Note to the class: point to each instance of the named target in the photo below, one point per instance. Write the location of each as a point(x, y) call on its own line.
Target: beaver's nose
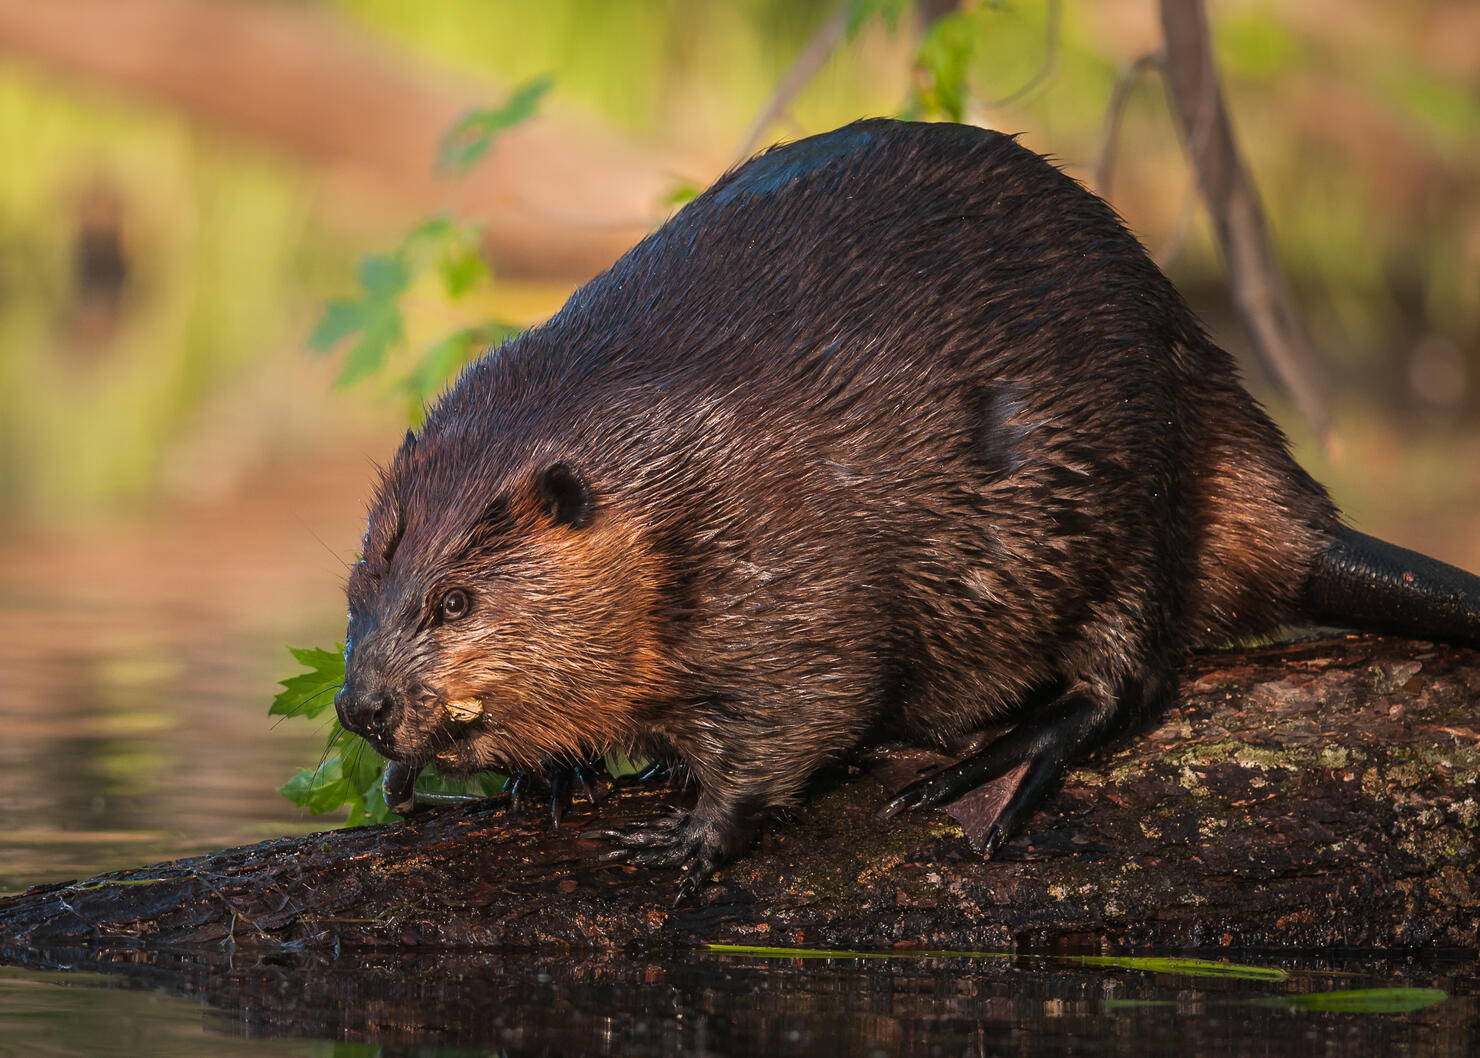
point(365, 712)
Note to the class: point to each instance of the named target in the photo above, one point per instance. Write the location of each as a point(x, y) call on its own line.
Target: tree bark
point(1324, 793)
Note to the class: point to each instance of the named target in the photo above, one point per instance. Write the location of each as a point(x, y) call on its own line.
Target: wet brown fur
point(887, 433)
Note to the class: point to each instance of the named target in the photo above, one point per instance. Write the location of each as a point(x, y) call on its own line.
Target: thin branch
point(1260, 289)
point(811, 59)
point(1171, 246)
point(1120, 95)
point(1050, 57)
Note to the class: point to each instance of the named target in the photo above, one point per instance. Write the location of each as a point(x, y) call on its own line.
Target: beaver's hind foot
point(1022, 765)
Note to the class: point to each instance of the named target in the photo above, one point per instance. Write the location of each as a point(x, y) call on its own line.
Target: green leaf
point(375, 809)
point(310, 693)
point(861, 11)
point(299, 787)
point(945, 58)
point(440, 362)
point(619, 764)
point(382, 330)
point(328, 661)
point(461, 267)
point(432, 230)
point(320, 791)
point(341, 318)
point(351, 776)
point(383, 276)
point(473, 135)
point(456, 249)
point(1185, 967)
point(329, 790)
point(445, 358)
point(306, 694)
point(361, 766)
point(1361, 1000)
point(1112, 1005)
point(681, 193)
point(848, 953)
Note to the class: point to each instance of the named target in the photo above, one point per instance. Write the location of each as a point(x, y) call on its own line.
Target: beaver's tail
point(1365, 583)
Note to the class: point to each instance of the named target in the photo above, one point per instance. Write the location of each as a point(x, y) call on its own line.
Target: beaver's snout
point(367, 711)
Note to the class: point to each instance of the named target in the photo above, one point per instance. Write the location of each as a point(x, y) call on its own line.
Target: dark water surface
point(701, 1003)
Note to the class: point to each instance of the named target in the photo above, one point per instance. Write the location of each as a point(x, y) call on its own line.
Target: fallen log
point(1316, 794)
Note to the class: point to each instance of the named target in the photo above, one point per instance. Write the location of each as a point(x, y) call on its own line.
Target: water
point(138, 663)
point(695, 1003)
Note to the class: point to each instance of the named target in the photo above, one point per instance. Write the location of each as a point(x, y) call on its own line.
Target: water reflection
point(137, 662)
point(698, 1003)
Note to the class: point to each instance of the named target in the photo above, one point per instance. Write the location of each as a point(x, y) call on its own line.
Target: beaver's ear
point(565, 495)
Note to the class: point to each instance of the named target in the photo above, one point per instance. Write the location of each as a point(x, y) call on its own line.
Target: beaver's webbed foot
point(558, 781)
point(689, 840)
point(1012, 774)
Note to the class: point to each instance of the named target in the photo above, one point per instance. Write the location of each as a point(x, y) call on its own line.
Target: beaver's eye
point(454, 604)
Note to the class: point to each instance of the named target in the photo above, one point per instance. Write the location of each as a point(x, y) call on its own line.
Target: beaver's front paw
point(674, 841)
point(559, 782)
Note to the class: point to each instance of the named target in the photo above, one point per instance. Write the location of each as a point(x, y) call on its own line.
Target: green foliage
point(309, 693)
point(944, 63)
point(350, 778)
point(944, 59)
point(1362, 1000)
point(860, 12)
point(475, 132)
point(373, 323)
point(1345, 1001)
point(374, 320)
point(682, 193)
point(350, 773)
point(375, 317)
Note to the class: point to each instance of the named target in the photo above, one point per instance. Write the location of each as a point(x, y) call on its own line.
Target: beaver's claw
point(674, 841)
point(559, 781)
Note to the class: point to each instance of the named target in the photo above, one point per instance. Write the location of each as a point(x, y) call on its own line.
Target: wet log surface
point(1319, 794)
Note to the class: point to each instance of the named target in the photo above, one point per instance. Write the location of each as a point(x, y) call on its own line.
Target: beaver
point(894, 432)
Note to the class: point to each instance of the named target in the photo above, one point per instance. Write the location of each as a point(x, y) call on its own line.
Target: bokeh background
point(185, 182)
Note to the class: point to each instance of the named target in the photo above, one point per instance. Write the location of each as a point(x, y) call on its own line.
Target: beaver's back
point(904, 404)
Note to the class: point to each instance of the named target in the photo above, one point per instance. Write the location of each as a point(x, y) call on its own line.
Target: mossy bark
point(1318, 794)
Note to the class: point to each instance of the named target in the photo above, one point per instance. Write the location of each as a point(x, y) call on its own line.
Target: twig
point(1050, 57)
point(1120, 95)
point(808, 62)
point(1259, 287)
point(1171, 246)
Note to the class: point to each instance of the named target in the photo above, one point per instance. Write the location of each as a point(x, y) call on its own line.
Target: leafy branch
point(371, 323)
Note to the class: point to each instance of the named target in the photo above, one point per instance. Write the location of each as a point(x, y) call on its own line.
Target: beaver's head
point(498, 615)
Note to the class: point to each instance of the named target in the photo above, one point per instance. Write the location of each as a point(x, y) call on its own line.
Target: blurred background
point(186, 182)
